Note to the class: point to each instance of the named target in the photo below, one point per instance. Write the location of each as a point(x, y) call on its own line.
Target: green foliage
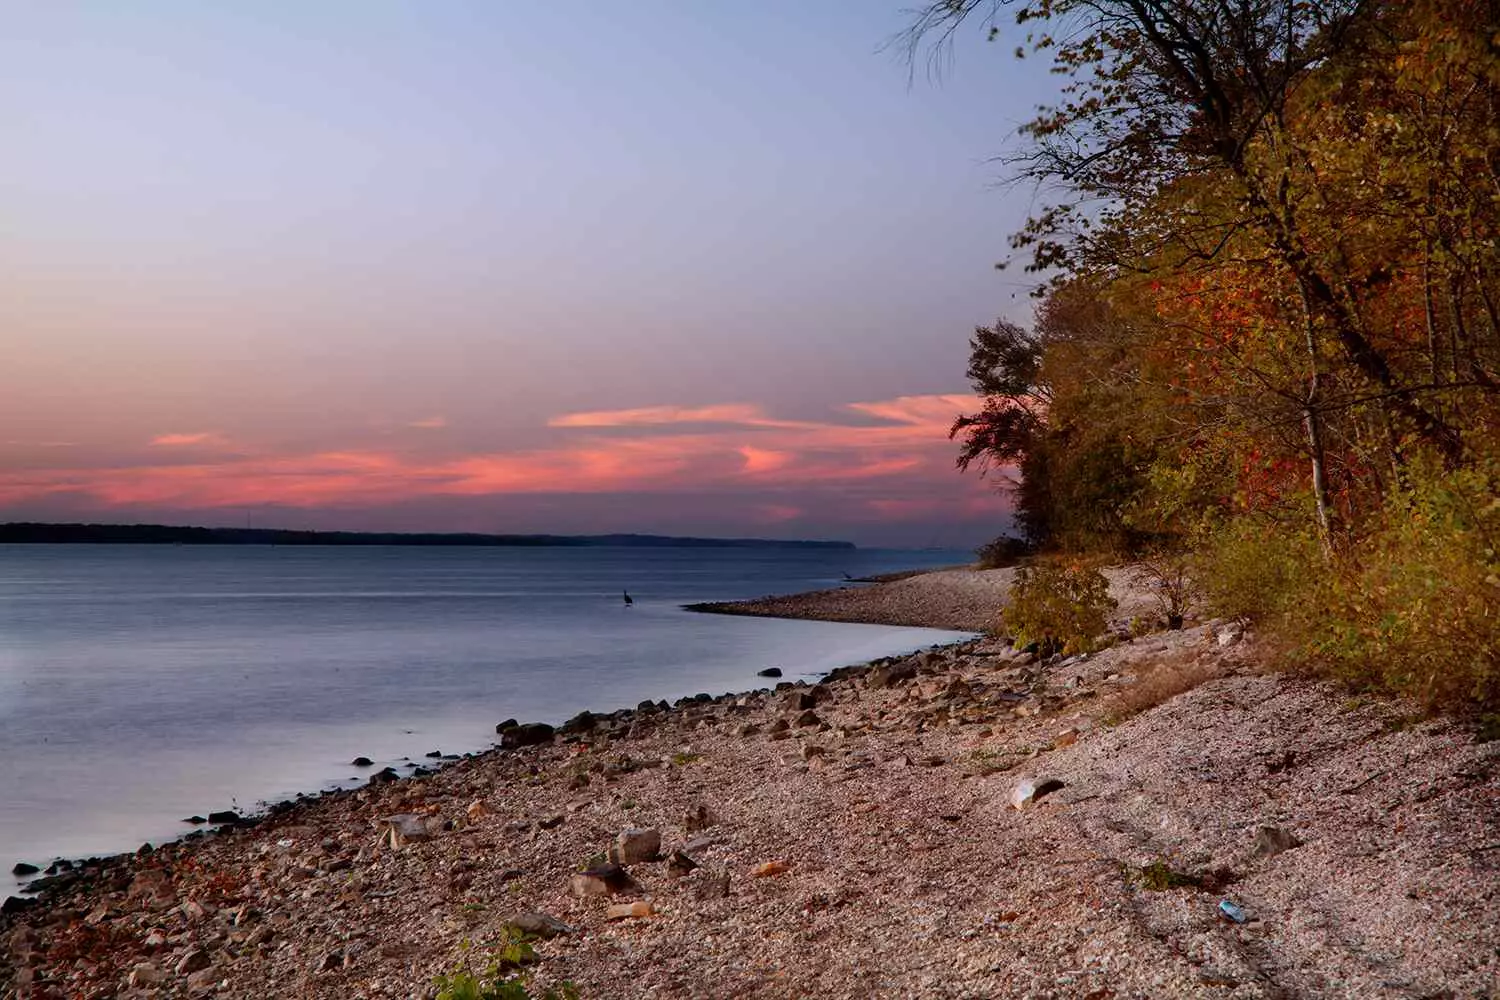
point(1413, 606)
point(1001, 552)
point(1059, 607)
point(1254, 571)
point(502, 978)
point(464, 985)
point(1158, 876)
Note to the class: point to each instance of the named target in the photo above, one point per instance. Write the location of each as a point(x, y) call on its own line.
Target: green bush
point(1408, 603)
point(1256, 570)
point(1414, 606)
point(502, 979)
point(1060, 608)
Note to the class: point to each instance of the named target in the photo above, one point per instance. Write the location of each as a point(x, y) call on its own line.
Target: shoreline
point(844, 839)
point(62, 870)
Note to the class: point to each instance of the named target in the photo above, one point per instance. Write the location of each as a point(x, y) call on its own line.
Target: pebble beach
point(1165, 818)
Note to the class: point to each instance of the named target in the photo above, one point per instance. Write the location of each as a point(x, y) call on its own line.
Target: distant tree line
point(161, 534)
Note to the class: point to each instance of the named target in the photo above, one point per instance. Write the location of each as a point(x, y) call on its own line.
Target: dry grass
point(1159, 682)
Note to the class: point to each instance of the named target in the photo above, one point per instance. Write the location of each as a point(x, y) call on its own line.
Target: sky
point(664, 266)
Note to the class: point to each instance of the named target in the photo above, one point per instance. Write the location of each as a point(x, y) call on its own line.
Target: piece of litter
point(1231, 912)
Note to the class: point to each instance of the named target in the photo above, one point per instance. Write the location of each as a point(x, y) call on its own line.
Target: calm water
point(142, 684)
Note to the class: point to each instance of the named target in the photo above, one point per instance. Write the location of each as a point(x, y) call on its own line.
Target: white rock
point(1029, 790)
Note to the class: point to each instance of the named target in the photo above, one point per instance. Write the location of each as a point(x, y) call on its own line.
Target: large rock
point(769, 672)
point(798, 701)
point(195, 960)
point(406, 828)
point(892, 674)
point(634, 846)
point(583, 722)
point(602, 880)
point(1272, 840)
point(528, 735)
point(24, 868)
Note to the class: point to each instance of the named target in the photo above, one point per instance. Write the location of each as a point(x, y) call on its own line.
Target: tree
point(1169, 92)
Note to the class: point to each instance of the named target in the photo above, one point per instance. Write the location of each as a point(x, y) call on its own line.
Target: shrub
point(1001, 552)
point(1414, 606)
point(1256, 570)
point(1408, 604)
point(1171, 586)
point(1060, 608)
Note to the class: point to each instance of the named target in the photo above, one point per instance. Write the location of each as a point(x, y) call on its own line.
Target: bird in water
point(628, 599)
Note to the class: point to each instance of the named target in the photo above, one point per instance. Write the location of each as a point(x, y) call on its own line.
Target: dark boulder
point(501, 727)
point(23, 868)
point(529, 735)
point(583, 722)
point(770, 672)
point(224, 816)
point(362, 762)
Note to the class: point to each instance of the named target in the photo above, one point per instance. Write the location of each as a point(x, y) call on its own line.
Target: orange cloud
point(182, 440)
point(429, 423)
point(897, 449)
point(647, 416)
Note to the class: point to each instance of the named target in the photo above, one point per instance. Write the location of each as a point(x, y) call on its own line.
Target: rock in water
point(361, 762)
point(24, 868)
point(769, 672)
point(224, 816)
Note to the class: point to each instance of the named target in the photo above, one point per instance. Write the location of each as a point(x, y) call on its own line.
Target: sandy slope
point(907, 873)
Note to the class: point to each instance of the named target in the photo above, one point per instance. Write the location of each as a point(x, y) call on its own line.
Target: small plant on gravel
point(1159, 876)
point(1059, 608)
point(503, 978)
point(1171, 587)
point(684, 759)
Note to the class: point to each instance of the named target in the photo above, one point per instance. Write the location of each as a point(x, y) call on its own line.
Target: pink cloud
point(430, 423)
point(891, 463)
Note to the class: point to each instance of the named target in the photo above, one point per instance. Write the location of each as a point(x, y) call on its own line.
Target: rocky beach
point(1164, 818)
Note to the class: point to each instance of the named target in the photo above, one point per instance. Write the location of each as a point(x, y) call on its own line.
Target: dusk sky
point(684, 267)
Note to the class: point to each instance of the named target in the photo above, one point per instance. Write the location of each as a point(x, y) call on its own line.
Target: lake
point(143, 684)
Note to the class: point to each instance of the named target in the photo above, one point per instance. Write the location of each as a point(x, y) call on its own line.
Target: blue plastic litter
point(1232, 912)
